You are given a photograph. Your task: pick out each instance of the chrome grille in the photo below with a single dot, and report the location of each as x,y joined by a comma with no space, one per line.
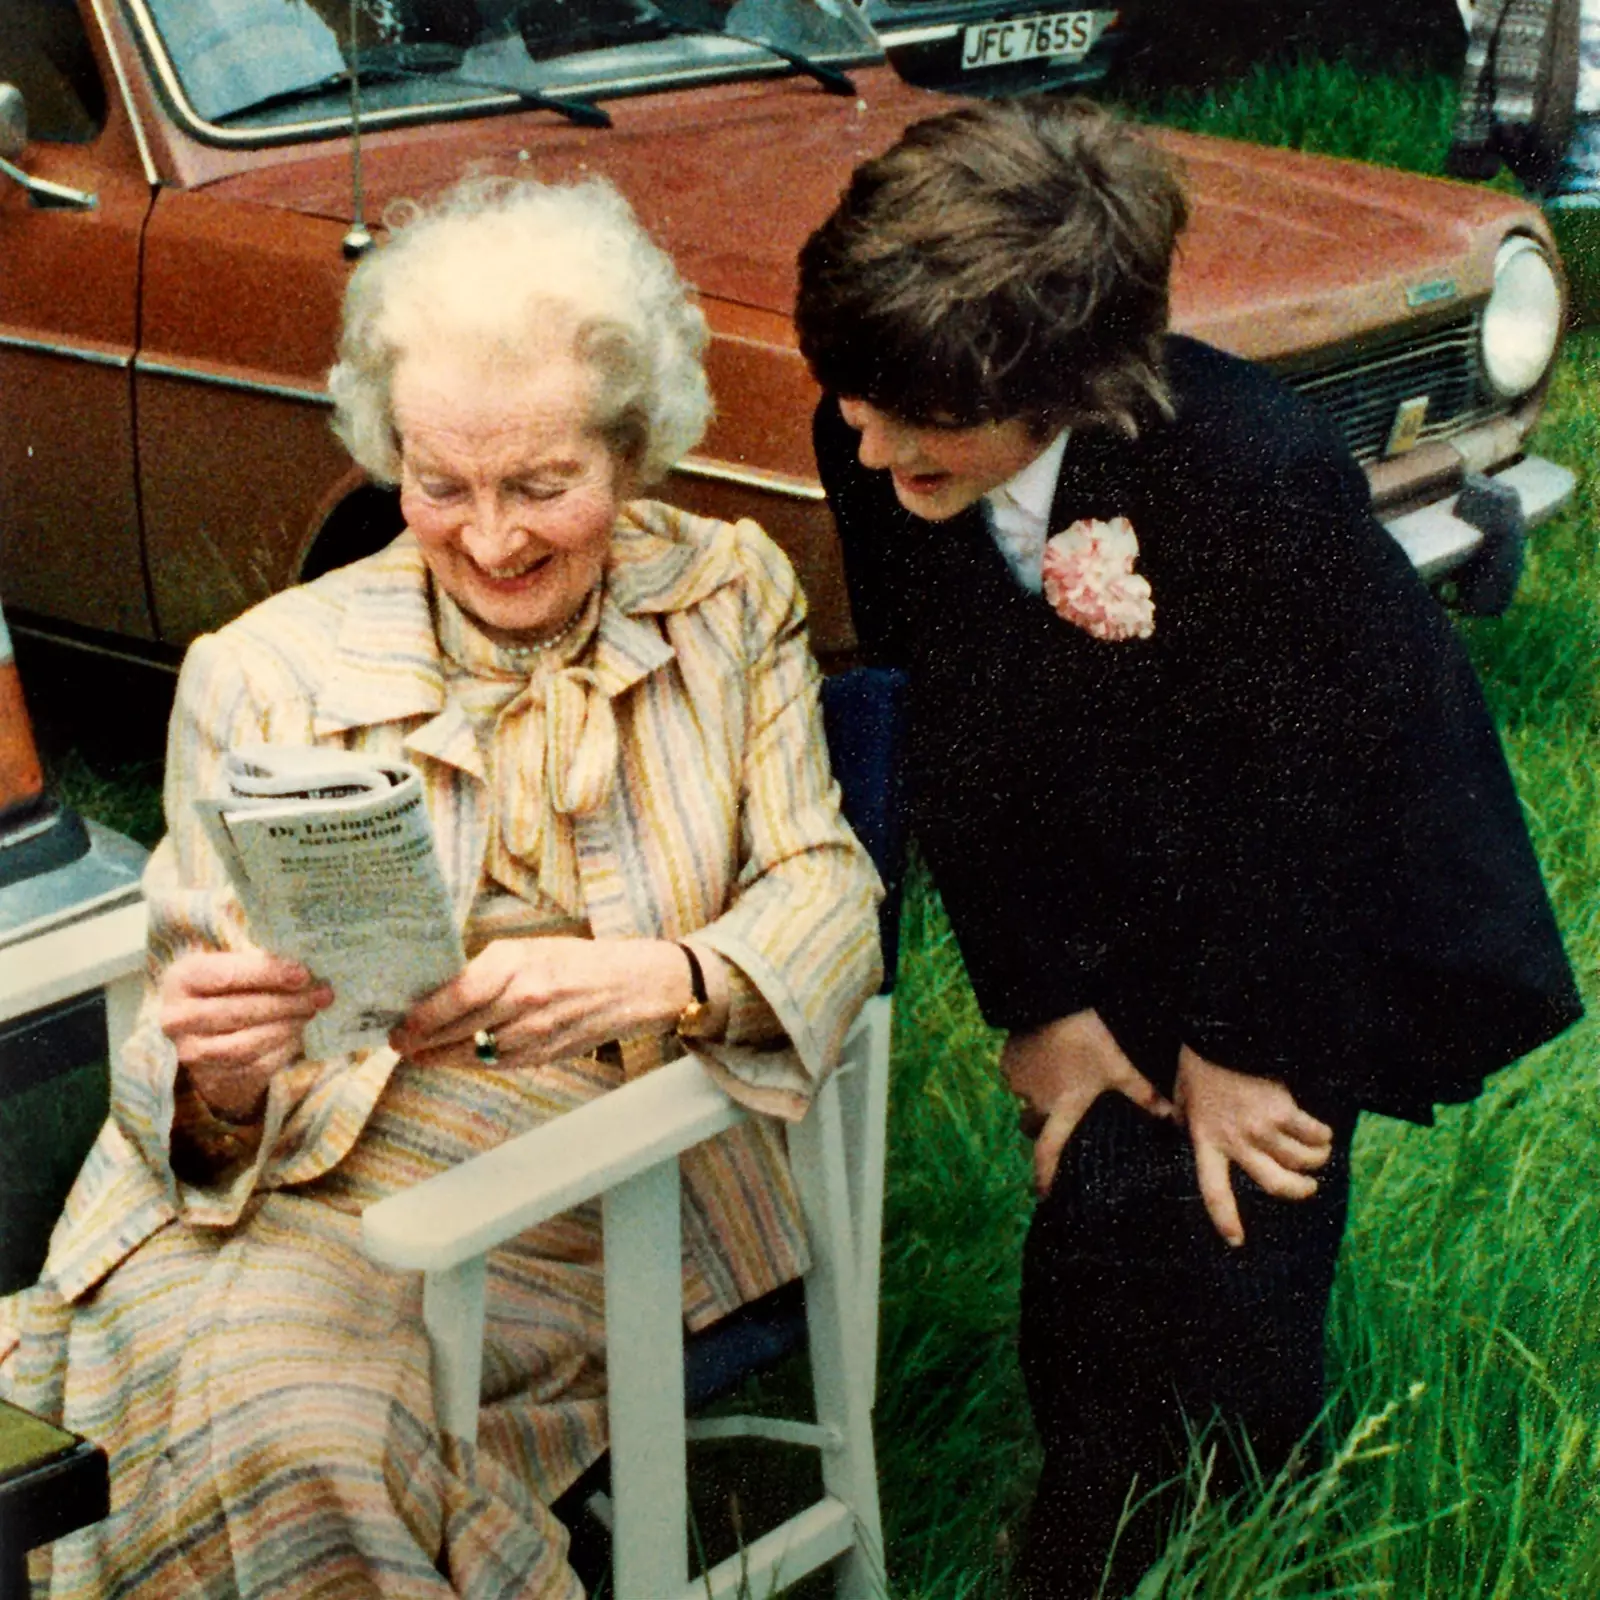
1362,393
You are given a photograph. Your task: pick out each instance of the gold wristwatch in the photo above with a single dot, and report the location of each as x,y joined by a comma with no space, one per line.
693,1018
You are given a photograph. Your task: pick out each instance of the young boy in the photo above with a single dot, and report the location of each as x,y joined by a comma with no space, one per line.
1203,776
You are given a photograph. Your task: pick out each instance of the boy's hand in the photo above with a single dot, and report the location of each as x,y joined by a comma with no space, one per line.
1253,1123
1059,1071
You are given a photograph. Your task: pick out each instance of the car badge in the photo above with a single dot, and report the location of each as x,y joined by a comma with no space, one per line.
1406,432
1431,292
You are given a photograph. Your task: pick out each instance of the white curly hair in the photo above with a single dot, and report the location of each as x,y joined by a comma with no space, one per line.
497,266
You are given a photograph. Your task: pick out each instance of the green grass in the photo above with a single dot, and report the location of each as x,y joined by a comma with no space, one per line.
1330,108
1465,1331
952,1417
125,796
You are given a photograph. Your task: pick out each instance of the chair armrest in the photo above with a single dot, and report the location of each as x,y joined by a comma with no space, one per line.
72,959
468,1210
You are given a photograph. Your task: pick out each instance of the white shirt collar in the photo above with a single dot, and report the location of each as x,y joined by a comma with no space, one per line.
1034,488
1018,513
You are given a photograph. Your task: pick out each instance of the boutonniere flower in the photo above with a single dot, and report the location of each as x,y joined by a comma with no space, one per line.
1090,582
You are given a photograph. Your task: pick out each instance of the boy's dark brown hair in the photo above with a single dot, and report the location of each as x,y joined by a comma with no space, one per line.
1010,259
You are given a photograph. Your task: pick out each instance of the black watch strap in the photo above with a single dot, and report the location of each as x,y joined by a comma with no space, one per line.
697,976
692,1019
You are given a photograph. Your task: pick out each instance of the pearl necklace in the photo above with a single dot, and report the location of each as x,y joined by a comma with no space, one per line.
525,657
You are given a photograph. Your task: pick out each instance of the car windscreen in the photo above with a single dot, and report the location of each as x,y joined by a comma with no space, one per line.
247,69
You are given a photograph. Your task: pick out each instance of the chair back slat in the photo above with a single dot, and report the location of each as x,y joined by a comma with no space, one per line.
863,713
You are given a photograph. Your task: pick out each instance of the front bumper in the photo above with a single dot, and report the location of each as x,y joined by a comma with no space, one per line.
1450,533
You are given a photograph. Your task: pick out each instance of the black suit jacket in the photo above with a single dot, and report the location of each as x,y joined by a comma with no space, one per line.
1281,830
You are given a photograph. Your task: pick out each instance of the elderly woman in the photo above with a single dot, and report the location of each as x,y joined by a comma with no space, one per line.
1199,767
614,713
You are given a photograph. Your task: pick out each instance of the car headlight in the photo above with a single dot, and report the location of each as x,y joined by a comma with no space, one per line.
1522,321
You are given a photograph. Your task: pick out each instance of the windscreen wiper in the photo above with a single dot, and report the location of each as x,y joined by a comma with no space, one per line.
831,78
585,113
582,112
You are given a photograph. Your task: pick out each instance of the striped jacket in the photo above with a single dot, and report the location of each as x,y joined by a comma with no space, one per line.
723,822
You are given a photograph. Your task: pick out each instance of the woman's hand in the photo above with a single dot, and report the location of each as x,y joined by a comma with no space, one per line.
548,998
1059,1071
1235,1119
235,1018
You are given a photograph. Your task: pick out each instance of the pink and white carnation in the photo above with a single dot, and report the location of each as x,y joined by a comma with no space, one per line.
1089,580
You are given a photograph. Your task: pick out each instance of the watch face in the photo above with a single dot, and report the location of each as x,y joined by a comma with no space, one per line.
692,1018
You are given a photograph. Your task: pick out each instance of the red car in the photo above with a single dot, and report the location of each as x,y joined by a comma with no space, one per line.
176,227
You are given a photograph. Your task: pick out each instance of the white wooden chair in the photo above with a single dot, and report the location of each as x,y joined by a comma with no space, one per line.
624,1149
102,951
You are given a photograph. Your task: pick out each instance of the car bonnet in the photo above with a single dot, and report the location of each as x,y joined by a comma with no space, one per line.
1284,253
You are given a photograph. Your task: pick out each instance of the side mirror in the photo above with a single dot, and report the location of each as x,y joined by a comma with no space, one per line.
13,121
14,140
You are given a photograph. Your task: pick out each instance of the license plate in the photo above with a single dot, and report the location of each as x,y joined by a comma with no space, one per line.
1053,35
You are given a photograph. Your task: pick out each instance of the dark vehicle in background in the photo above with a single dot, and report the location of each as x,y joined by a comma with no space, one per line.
179,207
980,47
